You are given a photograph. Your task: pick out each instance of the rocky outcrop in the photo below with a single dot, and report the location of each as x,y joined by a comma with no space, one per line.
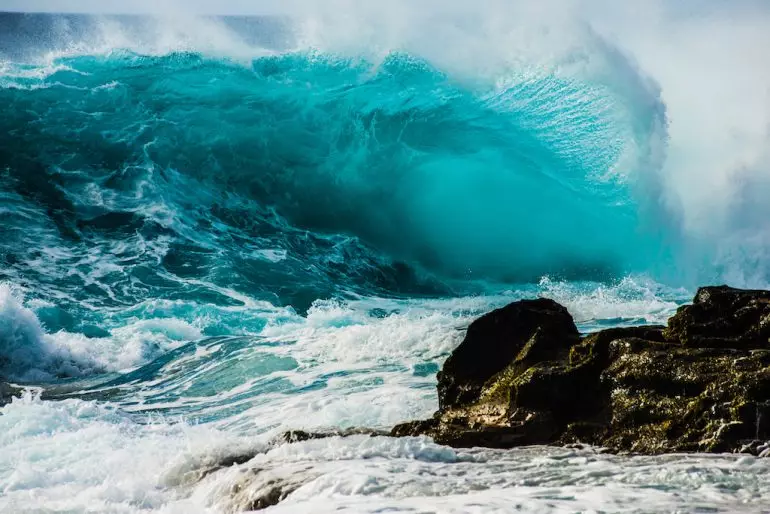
8,393
523,375
517,336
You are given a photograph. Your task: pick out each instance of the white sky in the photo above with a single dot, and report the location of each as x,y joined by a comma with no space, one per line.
148,6
284,6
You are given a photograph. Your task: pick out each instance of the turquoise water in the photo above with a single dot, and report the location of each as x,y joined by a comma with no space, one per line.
201,248
140,187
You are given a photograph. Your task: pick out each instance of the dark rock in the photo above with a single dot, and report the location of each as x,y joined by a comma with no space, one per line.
518,334
723,317
681,399
522,375
8,392
296,436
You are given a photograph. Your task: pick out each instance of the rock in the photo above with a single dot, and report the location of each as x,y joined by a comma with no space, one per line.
523,375
296,436
518,334
756,448
254,494
8,393
723,317
667,399
256,488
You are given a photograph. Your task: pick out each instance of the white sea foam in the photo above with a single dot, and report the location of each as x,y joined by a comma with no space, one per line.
345,364
632,299
365,475
82,456
344,336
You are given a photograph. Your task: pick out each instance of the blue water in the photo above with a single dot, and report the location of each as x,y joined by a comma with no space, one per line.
206,247
300,177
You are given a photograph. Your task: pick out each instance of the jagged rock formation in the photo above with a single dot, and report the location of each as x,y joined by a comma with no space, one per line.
523,375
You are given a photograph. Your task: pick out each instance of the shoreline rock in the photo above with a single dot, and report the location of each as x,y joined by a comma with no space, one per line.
8,393
523,375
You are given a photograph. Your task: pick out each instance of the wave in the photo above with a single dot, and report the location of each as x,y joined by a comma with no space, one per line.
267,174
190,345
31,354
216,229
685,144
509,181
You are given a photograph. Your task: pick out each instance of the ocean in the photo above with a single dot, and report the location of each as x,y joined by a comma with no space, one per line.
217,229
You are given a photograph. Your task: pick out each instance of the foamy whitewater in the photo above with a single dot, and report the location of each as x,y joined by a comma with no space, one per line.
216,229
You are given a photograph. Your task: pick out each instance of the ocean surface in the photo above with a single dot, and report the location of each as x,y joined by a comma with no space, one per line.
213,230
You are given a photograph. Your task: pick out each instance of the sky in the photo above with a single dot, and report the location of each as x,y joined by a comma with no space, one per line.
146,6
276,6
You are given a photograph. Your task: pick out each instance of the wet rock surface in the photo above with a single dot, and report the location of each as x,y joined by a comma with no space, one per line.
296,436
523,375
